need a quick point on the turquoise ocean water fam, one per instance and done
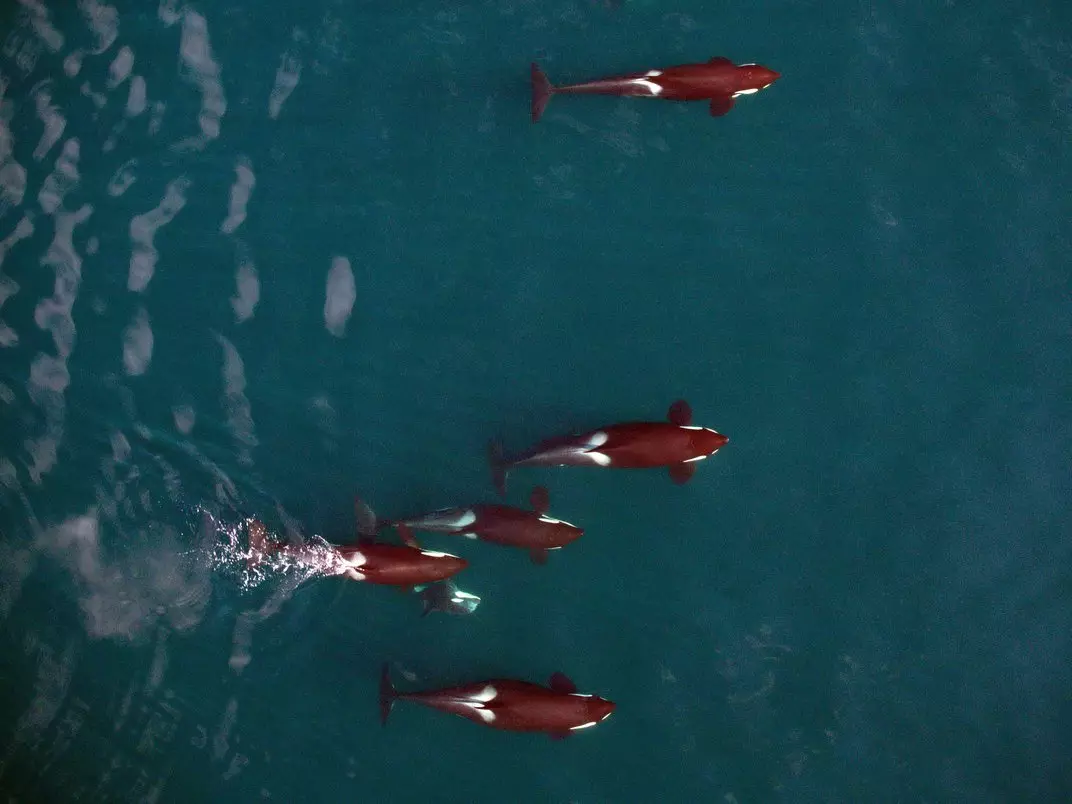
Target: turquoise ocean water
(257, 258)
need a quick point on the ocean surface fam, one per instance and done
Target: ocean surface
(257, 258)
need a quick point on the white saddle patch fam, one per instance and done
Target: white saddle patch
(487, 694)
(357, 560)
(486, 715)
(597, 439)
(599, 458)
(651, 86)
(466, 519)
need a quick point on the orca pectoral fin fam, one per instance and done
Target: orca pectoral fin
(681, 473)
(721, 106)
(680, 413)
(538, 556)
(560, 682)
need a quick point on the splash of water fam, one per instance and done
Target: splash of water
(231, 556)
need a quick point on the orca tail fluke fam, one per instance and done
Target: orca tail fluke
(542, 89)
(388, 694)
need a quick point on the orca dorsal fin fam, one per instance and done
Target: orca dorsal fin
(680, 413)
(540, 499)
(406, 535)
(560, 682)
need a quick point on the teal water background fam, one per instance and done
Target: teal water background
(274, 255)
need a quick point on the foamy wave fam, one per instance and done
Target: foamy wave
(185, 417)
(122, 178)
(103, 20)
(240, 193)
(136, 98)
(138, 344)
(54, 676)
(15, 566)
(201, 69)
(143, 229)
(119, 70)
(98, 98)
(62, 178)
(42, 24)
(232, 558)
(120, 598)
(247, 286)
(286, 78)
(8, 286)
(53, 122)
(339, 297)
(239, 417)
(54, 314)
(49, 376)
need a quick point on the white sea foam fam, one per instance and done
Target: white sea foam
(12, 185)
(54, 314)
(54, 674)
(72, 65)
(339, 297)
(8, 286)
(160, 662)
(143, 229)
(169, 12)
(201, 69)
(155, 117)
(286, 77)
(122, 178)
(103, 20)
(49, 375)
(122, 596)
(247, 286)
(240, 193)
(185, 418)
(62, 178)
(138, 344)
(53, 122)
(235, 402)
(136, 98)
(42, 24)
(99, 99)
(119, 70)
